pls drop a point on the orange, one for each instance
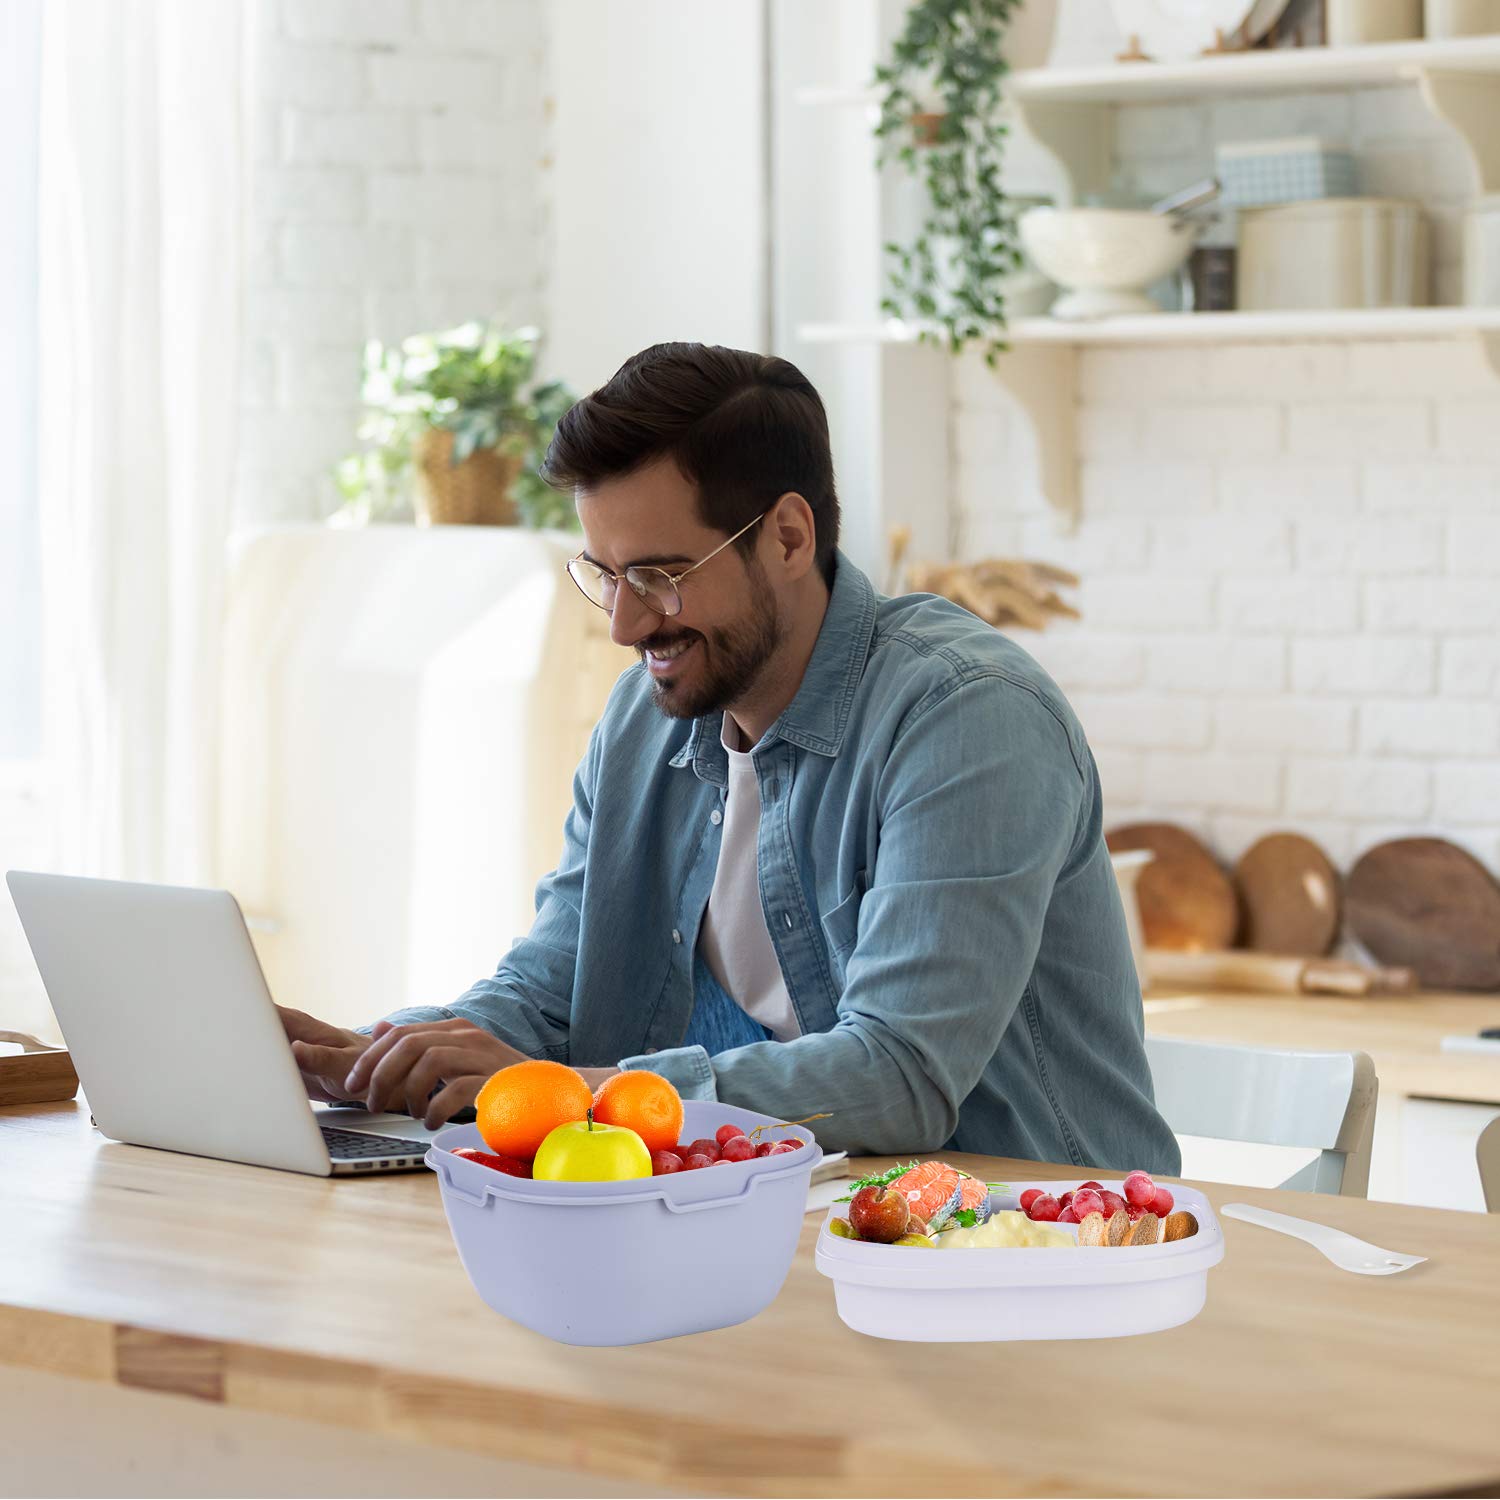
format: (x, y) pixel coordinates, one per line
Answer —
(520, 1106)
(643, 1102)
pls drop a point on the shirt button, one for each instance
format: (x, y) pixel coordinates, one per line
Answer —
(716, 817)
(787, 918)
(676, 936)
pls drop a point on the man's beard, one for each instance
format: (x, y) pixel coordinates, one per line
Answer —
(733, 659)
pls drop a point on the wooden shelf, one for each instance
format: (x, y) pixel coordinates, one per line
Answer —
(1206, 328)
(1278, 70)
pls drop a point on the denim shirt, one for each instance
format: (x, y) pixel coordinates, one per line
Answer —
(934, 878)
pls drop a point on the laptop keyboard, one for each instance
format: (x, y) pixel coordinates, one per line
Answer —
(350, 1145)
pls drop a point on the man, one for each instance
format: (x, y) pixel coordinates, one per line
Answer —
(829, 853)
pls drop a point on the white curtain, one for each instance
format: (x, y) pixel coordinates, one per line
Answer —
(140, 206)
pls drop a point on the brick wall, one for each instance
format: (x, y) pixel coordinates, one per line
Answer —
(399, 185)
(1291, 552)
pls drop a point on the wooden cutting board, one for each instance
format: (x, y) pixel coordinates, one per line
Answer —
(1430, 905)
(1290, 896)
(38, 1075)
(1187, 902)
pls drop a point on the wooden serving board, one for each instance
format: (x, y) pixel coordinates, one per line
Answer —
(1429, 905)
(1290, 896)
(39, 1075)
(1186, 900)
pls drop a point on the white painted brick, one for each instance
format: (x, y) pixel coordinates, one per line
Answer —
(1144, 721)
(258, 375)
(1146, 603)
(314, 377)
(1290, 488)
(1415, 169)
(1290, 606)
(351, 21)
(1140, 377)
(1474, 545)
(1097, 547)
(1291, 724)
(976, 386)
(495, 26)
(475, 85)
(986, 493)
(1470, 429)
(1328, 115)
(1365, 664)
(1482, 843)
(1289, 372)
(1346, 788)
(1216, 664)
(395, 312)
(328, 255)
(1221, 544)
(990, 534)
(312, 77)
(1471, 667)
(1107, 431)
(1122, 775)
(1468, 793)
(1428, 727)
(984, 439)
(1392, 547)
(331, 315)
(310, 195)
(1215, 432)
(463, 141)
(357, 138)
(457, 204)
(1077, 660)
(1439, 367)
(1244, 783)
(1155, 487)
(1460, 605)
(1359, 429)
(1170, 130)
(1391, 488)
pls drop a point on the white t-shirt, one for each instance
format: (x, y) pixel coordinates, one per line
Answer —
(735, 941)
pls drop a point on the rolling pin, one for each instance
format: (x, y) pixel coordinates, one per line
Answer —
(1276, 975)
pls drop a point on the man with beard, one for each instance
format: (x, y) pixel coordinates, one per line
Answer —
(829, 853)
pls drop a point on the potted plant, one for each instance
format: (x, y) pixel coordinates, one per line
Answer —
(455, 430)
(940, 116)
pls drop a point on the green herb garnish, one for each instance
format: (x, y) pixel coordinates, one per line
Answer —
(880, 1179)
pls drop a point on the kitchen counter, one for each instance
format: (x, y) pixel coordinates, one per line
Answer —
(308, 1318)
(1402, 1033)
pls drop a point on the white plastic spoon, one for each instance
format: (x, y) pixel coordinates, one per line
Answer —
(1346, 1252)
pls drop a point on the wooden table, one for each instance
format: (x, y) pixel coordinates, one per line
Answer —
(1403, 1034)
(204, 1290)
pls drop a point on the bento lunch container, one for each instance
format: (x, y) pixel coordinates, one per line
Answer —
(972, 1296)
(607, 1263)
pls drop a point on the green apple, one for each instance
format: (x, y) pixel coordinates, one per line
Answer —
(583, 1151)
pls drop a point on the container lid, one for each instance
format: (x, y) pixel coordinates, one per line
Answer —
(1332, 208)
(1292, 145)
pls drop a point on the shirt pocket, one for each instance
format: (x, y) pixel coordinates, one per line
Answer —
(841, 926)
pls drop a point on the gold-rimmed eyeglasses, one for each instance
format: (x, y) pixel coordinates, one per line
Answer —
(656, 588)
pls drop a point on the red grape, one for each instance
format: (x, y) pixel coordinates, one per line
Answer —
(1113, 1202)
(738, 1148)
(1087, 1201)
(1028, 1198)
(1066, 1199)
(726, 1133)
(696, 1160)
(1134, 1211)
(782, 1148)
(510, 1165)
(1067, 1216)
(663, 1162)
(707, 1147)
(1045, 1209)
(1098, 1187)
(1139, 1189)
(1161, 1204)
(764, 1149)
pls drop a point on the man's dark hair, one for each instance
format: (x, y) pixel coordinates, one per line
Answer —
(744, 428)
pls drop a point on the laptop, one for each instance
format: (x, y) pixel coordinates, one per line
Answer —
(174, 1035)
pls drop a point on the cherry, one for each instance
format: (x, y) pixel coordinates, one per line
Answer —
(726, 1133)
(1139, 1189)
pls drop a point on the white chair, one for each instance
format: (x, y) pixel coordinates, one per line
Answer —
(1270, 1097)
(1487, 1149)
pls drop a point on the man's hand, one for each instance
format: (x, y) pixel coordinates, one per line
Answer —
(324, 1054)
(402, 1065)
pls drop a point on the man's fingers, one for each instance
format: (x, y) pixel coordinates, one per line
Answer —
(325, 1061)
(386, 1041)
(446, 1103)
(434, 1066)
(301, 1027)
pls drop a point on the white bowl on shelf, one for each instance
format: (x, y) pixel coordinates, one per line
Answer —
(1105, 258)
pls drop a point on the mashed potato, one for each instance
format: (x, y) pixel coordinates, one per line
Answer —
(1007, 1230)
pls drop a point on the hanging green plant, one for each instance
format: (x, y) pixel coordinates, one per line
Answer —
(951, 277)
